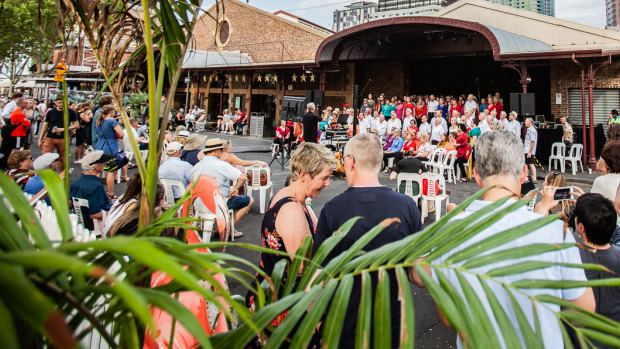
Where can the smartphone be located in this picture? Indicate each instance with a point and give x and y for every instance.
(562, 193)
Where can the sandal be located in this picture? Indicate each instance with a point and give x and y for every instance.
(238, 234)
(112, 196)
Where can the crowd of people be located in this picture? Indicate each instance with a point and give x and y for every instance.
(499, 149)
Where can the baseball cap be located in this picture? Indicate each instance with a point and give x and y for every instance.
(95, 157)
(173, 147)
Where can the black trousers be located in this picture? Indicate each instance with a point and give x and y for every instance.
(460, 162)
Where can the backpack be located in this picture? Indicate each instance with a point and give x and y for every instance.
(7, 129)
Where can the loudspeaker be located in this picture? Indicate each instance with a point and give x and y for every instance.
(309, 97)
(293, 108)
(515, 103)
(528, 105)
(318, 97)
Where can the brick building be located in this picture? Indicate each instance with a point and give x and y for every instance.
(470, 46)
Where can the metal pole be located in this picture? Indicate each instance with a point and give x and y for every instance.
(583, 109)
(186, 94)
(356, 91)
(592, 158)
(65, 124)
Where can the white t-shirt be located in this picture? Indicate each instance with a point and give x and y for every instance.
(437, 132)
(443, 124)
(8, 109)
(424, 128)
(607, 186)
(514, 127)
(394, 123)
(364, 125)
(222, 171)
(552, 233)
(432, 106)
(382, 128)
(484, 127)
(530, 137)
(407, 121)
(469, 105)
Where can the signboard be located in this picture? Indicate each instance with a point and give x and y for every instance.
(61, 68)
(59, 78)
(558, 98)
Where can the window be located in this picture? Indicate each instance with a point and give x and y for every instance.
(223, 33)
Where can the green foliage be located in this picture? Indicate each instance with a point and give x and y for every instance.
(29, 31)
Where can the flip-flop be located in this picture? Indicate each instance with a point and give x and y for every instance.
(112, 196)
(238, 234)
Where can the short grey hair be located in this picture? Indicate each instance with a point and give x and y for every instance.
(366, 150)
(311, 106)
(499, 153)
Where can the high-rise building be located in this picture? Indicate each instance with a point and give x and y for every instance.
(353, 14)
(389, 5)
(545, 7)
(612, 7)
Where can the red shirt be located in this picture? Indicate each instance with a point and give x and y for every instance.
(281, 132)
(409, 106)
(241, 118)
(409, 146)
(453, 108)
(499, 107)
(461, 145)
(19, 118)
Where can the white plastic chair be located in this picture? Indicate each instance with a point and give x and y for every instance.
(169, 192)
(448, 166)
(78, 205)
(409, 179)
(432, 195)
(436, 158)
(558, 149)
(256, 170)
(574, 156)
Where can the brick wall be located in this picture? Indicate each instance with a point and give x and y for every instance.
(265, 37)
(565, 75)
(387, 77)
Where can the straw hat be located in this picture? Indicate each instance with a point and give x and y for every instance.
(194, 141)
(213, 144)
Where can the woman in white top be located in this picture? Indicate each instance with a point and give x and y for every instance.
(424, 150)
(609, 165)
(127, 201)
(454, 126)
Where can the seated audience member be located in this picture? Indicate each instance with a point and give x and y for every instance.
(283, 134)
(397, 146)
(373, 202)
(193, 146)
(143, 142)
(234, 160)
(447, 141)
(409, 144)
(425, 149)
(223, 172)
(500, 168)
(127, 224)
(176, 169)
(389, 140)
(35, 184)
(595, 222)
(554, 180)
(240, 119)
(89, 187)
(299, 138)
(20, 166)
(290, 218)
(125, 202)
(425, 127)
(408, 164)
(607, 183)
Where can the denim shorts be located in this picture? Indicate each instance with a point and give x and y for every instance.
(238, 202)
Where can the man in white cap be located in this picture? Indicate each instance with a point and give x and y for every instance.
(223, 173)
(513, 125)
(35, 184)
(176, 169)
(89, 187)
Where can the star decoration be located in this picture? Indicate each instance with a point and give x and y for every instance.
(268, 77)
(216, 78)
(294, 77)
(312, 78)
(236, 78)
(274, 78)
(210, 78)
(303, 77)
(259, 78)
(204, 78)
(243, 77)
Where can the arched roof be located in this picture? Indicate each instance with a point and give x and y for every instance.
(365, 41)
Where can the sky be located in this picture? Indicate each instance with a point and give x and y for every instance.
(590, 12)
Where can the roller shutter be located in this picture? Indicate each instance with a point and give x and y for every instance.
(604, 101)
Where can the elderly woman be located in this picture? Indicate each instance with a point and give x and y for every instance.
(20, 163)
(396, 147)
(290, 219)
(425, 150)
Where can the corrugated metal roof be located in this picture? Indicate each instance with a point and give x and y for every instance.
(513, 43)
(209, 59)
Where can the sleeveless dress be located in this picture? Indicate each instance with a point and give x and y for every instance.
(272, 240)
(106, 137)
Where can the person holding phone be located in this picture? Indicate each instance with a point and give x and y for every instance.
(557, 197)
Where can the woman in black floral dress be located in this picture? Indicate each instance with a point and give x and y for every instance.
(290, 219)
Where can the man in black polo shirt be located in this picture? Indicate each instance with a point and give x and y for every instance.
(311, 124)
(52, 133)
(367, 198)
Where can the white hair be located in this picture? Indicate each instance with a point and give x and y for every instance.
(499, 153)
(311, 106)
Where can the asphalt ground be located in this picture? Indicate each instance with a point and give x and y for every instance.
(430, 333)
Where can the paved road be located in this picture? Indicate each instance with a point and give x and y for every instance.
(430, 333)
